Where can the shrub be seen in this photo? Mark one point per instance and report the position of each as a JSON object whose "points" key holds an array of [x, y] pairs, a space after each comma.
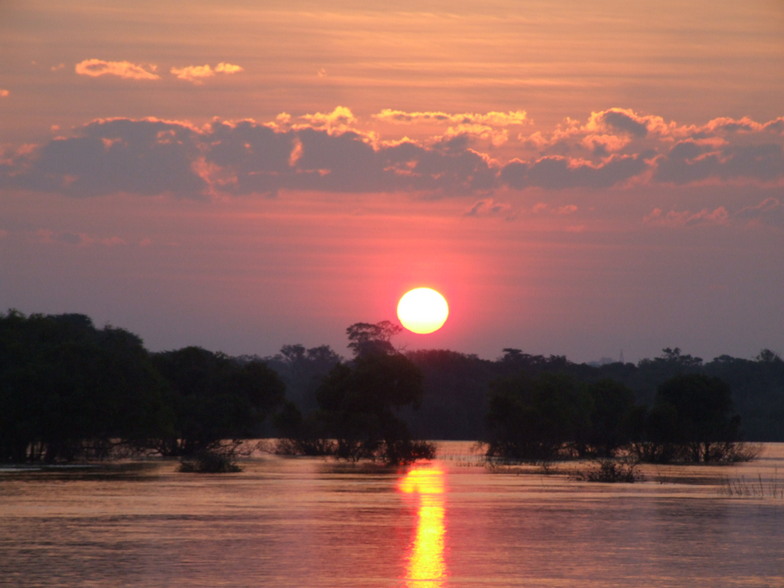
{"points": [[611, 471], [210, 462]]}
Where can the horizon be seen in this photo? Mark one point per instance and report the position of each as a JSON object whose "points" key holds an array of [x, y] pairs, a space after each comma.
{"points": [[586, 181]]}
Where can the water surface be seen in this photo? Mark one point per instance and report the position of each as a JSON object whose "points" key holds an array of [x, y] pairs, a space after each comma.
{"points": [[310, 522]]}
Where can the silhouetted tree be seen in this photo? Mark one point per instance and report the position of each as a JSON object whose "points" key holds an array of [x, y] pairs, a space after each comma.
{"points": [[69, 390], [692, 420], [302, 370], [372, 338], [359, 403], [455, 394], [215, 397], [611, 418], [533, 418]]}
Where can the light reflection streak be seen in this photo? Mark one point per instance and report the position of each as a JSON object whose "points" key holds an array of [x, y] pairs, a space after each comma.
{"points": [[426, 565]]}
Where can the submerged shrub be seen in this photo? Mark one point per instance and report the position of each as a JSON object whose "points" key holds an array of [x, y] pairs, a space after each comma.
{"points": [[402, 452], [611, 471], [210, 462], [716, 453], [298, 446]]}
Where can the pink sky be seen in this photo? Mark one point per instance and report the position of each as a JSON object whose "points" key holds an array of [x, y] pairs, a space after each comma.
{"points": [[576, 179]]}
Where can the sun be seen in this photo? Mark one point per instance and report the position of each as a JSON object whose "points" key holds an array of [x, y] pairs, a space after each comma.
{"points": [[422, 310]]}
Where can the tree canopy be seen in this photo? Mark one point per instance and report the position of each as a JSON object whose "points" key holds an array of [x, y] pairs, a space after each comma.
{"points": [[69, 390], [214, 397], [359, 401]]}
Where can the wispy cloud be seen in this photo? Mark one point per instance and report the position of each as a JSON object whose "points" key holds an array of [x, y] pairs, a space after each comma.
{"points": [[680, 218], [124, 69], [196, 74], [489, 207], [769, 211], [77, 239], [516, 117]]}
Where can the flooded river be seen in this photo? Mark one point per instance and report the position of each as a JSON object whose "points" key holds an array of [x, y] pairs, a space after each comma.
{"points": [[308, 522]]}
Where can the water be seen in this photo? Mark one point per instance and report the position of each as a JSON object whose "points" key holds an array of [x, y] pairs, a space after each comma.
{"points": [[311, 523]]}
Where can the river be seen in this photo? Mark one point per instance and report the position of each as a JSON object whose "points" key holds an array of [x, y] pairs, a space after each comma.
{"points": [[307, 522]]}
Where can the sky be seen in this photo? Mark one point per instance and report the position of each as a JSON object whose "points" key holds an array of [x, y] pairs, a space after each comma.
{"points": [[594, 180]]}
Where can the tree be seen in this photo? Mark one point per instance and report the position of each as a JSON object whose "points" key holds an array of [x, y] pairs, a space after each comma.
{"points": [[693, 417], [531, 418], [69, 390], [612, 411], [215, 397], [302, 370], [455, 394], [359, 403], [768, 356], [372, 338]]}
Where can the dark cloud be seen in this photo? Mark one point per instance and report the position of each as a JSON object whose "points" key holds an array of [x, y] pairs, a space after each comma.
{"points": [[135, 156], [323, 153], [624, 122], [560, 172], [488, 207], [770, 211], [689, 162]]}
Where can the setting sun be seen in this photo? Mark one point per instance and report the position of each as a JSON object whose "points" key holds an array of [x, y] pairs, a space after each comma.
{"points": [[422, 310]]}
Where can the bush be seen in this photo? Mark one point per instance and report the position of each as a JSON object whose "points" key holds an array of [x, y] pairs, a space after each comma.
{"points": [[210, 462], [295, 446], [612, 471], [404, 452], [716, 453]]}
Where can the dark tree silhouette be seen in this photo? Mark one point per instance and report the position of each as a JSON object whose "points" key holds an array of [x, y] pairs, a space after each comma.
{"points": [[372, 338], [692, 419], [359, 402], [611, 417], [69, 390], [215, 397], [532, 418]]}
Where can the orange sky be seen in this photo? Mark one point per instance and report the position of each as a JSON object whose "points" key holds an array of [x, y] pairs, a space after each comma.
{"points": [[576, 179]]}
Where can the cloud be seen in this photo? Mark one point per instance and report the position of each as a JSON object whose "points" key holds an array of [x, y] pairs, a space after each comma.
{"points": [[330, 152], [340, 119], [625, 121], [558, 172], [108, 156], [124, 69], [491, 119], [228, 68], [196, 74], [690, 162], [488, 207], [75, 239], [674, 218], [545, 208], [770, 211]]}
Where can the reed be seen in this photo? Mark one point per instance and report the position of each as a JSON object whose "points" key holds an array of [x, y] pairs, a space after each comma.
{"points": [[753, 488]]}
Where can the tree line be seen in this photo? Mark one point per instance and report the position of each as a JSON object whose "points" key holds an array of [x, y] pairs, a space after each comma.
{"points": [[458, 387], [70, 390]]}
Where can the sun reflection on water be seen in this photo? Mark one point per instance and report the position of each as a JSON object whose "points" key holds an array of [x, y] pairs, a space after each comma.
{"points": [[426, 565]]}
